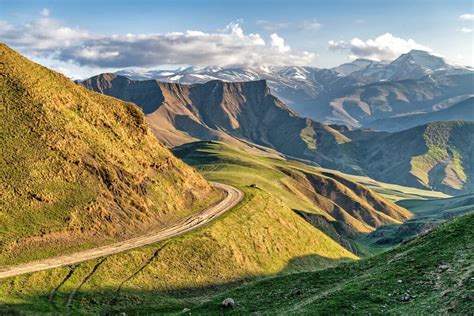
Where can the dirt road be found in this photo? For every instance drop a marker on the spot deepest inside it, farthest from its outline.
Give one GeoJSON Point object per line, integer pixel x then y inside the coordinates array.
{"type": "Point", "coordinates": [233, 197]}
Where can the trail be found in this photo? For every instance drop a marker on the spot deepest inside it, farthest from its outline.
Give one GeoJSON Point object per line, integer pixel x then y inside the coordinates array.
{"type": "Point", "coordinates": [233, 197]}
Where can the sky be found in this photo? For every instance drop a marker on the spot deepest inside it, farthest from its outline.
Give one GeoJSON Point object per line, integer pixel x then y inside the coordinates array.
{"type": "Point", "coordinates": [83, 38]}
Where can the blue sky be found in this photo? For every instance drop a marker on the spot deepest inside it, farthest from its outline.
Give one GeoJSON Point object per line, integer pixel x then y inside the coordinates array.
{"type": "Point", "coordinates": [83, 37]}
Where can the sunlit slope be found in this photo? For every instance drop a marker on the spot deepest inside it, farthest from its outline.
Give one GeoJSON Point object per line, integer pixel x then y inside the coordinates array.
{"type": "Point", "coordinates": [78, 168]}
{"type": "Point", "coordinates": [303, 189]}
{"type": "Point", "coordinates": [261, 236]}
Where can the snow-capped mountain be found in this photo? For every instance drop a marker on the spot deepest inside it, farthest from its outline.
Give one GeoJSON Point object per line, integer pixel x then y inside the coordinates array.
{"type": "Point", "coordinates": [357, 65]}
{"type": "Point", "coordinates": [415, 64]}
{"type": "Point", "coordinates": [337, 95]}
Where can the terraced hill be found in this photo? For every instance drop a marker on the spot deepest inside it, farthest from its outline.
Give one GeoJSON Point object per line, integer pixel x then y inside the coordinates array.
{"type": "Point", "coordinates": [78, 168]}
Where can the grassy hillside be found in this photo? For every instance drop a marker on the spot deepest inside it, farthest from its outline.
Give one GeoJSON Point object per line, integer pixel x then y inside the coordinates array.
{"type": "Point", "coordinates": [322, 197]}
{"type": "Point", "coordinates": [432, 274]}
{"type": "Point", "coordinates": [428, 214]}
{"type": "Point", "coordinates": [436, 156]}
{"type": "Point", "coordinates": [78, 169]}
{"type": "Point", "coordinates": [260, 237]}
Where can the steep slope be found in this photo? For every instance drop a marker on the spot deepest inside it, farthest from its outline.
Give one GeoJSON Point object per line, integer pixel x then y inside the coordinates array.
{"type": "Point", "coordinates": [318, 196]}
{"type": "Point", "coordinates": [218, 110]}
{"type": "Point", "coordinates": [463, 110]}
{"type": "Point", "coordinates": [78, 169]}
{"type": "Point", "coordinates": [438, 155]}
{"type": "Point", "coordinates": [430, 274]}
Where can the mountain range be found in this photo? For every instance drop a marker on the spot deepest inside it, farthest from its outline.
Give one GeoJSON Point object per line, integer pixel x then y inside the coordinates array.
{"type": "Point", "coordinates": [247, 112]}
{"type": "Point", "coordinates": [84, 170]}
{"type": "Point", "coordinates": [354, 94]}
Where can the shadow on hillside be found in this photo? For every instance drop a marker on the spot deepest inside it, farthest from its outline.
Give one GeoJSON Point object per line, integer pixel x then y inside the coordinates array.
{"type": "Point", "coordinates": [111, 301]}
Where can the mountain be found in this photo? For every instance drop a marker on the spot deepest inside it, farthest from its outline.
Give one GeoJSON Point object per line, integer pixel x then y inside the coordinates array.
{"type": "Point", "coordinates": [79, 169]}
{"type": "Point", "coordinates": [299, 87]}
{"type": "Point", "coordinates": [217, 110]}
{"type": "Point", "coordinates": [463, 110]}
{"type": "Point", "coordinates": [360, 106]}
{"type": "Point", "coordinates": [413, 65]}
{"type": "Point", "coordinates": [353, 94]}
{"type": "Point", "coordinates": [357, 65]}
{"type": "Point", "coordinates": [437, 155]}
{"type": "Point", "coordinates": [243, 113]}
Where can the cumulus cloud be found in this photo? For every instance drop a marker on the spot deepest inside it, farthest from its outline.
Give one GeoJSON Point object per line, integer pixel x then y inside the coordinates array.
{"type": "Point", "coordinates": [384, 47]}
{"type": "Point", "coordinates": [467, 17]}
{"type": "Point", "coordinates": [41, 35]}
{"type": "Point", "coordinates": [465, 30]}
{"type": "Point", "coordinates": [231, 46]}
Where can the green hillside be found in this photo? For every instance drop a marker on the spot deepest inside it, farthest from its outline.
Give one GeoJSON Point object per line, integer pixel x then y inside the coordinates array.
{"type": "Point", "coordinates": [432, 274]}
{"type": "Point", "coordinates": [437, 156]}
{"type": "Point", "coordinates": [330, 201]}
{"type": "Point", "coordinates": [79, 169]}
{"type": "Point", "coordinates": [258, 238]}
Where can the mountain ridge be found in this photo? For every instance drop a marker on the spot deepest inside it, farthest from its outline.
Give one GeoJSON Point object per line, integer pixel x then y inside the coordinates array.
{"type": "Point", "coordinates": [312, 92]}
{"type": "Point", "coordinates": [240, 113]}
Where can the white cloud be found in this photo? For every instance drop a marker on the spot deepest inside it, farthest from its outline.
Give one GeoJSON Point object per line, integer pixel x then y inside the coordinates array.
{"type": "Point", "coordinates": [465, 30]}
{"type": "Point", "coordinates": [41, 35]}
{"type": "Point", "coordinates": [44, 12]}
{"type": "Point", "coordinates": [272, 26]}
{"type": "Point", "coordinates": [279, 43]}
{"type": "Point", "coordinates": [360, 21]}
{"type": "Point", "coordinates": [384, 47]}
{"type": "Point", "coordinates": [467, 17]}
{"type": "Point", "coordinates": [45, 37]}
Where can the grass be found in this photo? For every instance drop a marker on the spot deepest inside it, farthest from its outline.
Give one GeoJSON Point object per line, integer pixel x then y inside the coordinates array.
{"type": "Point", "coordinates": [79, 169]}
{"type": "Point", "coordinates": [299, 186]}
{"type": "Point", "coordinates": [432, 274]}
{"type": "Point", "coordinates": [258, 238]}
{"type": "Point", "coordinates": [428, 214]}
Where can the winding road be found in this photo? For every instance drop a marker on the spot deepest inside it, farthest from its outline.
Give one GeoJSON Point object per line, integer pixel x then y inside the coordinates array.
{"type": "Point", "coordinates": [233, 197]}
